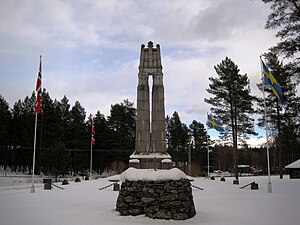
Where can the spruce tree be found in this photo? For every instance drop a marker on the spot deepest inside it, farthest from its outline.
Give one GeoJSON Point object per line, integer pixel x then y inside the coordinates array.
{"type": "Point", "coordinates": [64, 108]}
{"type": "Point", "coordinates": [200, 138]}
{"type": "Point", "coordinates": [5, 119]}
{"type": "Point", "coordinates": [23, 114]}
{"type": "Point", "coordinates": [200, 135]}
{"type": "Point", "coordinates": [5, 131]}
{"type": "Point", "coordinates": [122, 123]}
{"type": "Point", "coordinates": [102, 131]}
{"type": "Point", "coordinates": [103, 137]}
{"type": "Point", "coordinates": [78, 139]}
{"type": "Point", "coordinates": [177, 133]}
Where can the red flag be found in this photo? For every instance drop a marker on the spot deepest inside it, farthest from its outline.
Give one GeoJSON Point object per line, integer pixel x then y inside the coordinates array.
{"type": "Point", "coordinates": [93, 132]}
{"type": "Point", "coordinates": [38, 89]}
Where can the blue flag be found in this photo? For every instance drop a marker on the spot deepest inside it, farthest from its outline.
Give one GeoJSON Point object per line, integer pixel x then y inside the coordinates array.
{"type": "Point", "coordinates": [269, 79]}
{"type": "Point", "coordinates": [214, 123]}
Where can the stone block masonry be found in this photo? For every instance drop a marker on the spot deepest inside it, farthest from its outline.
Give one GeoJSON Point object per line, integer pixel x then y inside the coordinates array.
{"type": "Point", "coordinates": [150, 118]}
{"type": "Point", "coordinates": [166, 199]}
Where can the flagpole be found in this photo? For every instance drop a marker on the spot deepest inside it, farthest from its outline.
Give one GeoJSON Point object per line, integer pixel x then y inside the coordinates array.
{"type": "Point", "coordinates": [267, 134]}
{"type": "Point", "coordinates": [207, 146]}
{"type": "Point", "coordinates": [92, 142]}
{"type": "Point", "coordinates": [218, 125]}
{"type": "Point", "coordinates": [267, 139]}
{"type": "Point", "coordinates": [34, 147]}
{"type": "Point", "coordinates": [207, 156]}
{"type": "Point", "coordinates": [91, 161]}
{"type": "Point", "coordinates": [37, 110]}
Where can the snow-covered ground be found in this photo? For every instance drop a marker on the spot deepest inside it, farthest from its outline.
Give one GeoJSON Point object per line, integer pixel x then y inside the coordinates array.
{"type": "Point", "coordinates": [220, 203]}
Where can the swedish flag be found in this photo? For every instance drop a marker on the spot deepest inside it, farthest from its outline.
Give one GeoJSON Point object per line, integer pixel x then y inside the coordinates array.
{"type": "Point", "coordinates": [214, 123]}
{"type": "Point", "coordinates": [270, 80]}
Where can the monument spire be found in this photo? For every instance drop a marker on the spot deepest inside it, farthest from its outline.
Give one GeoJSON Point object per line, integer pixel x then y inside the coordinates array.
{"type": "Point", "coordinates": [150, 145]}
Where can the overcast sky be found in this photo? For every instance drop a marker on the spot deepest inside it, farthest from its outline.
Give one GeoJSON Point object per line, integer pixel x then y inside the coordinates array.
{"type": "Point", "coordinates": [91, 49]}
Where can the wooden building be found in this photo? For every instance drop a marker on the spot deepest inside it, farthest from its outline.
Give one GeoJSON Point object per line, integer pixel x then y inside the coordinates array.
{"type": "Point", "coordinates": [294, 169]}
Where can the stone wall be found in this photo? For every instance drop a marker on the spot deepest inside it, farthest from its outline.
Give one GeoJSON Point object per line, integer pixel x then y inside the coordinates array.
{"type": "Point", "coordinates": [170, 199]}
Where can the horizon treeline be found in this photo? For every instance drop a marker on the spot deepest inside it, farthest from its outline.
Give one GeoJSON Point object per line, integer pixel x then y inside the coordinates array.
{"type": "Point", "coordinates": [63, 135]}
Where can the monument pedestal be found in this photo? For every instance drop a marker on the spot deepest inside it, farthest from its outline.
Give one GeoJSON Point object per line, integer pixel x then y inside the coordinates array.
{"type": "Point", "coordinates": [151, 161]}
{"type": "Point", "coordinates": [162, 194]}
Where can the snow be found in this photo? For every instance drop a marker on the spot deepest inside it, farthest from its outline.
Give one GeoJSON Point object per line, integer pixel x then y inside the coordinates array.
{"type": "Point", "coordinates": [166, 161]}
{"type": "Point", "coordinates": [220, 203]}
{"type": "Point", "coordinates": [150, 156]}
{"type": "Point", "coordinates": [134, 161]}
{"type": "Point", "coordinates": [133, 174]}
{"type": "Point", "coordinates": [294, 165]}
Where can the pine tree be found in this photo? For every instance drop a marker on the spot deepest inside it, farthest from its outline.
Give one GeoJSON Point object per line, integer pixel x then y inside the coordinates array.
{"type": "Point", "coordinates": [232, 102]}
{"type": "Point", "coordinates": [285, 16]}
{"type": "Point", "coordinates": [283, 120]}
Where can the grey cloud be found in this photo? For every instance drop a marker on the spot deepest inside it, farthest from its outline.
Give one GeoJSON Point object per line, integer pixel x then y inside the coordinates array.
{"type": "Point", "coordinates": [225, 19]}
{"type": "Point", "coordinates": [92, 47]}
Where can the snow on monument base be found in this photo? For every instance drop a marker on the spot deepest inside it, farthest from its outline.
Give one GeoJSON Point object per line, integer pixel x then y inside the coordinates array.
{"type": "Point", "coordinates": [162, 194]}
{"type": "Point", "coordinates": [151, 161]}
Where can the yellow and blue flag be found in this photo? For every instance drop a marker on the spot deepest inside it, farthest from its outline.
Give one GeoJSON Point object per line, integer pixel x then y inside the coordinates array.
{"type": "Point", "coordinates": [270, 80]}
{"type": "Point", "coordinates": [214, 123]}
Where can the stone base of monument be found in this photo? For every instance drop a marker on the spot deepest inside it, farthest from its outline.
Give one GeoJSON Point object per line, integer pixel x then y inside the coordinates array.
{"type": "Point", "coordinates": [151, 161]}
{"type": "Point", "coordinates": [162, 194]}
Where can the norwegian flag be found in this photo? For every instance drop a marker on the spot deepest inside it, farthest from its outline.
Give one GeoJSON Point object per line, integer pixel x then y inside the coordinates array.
{"type": "Point", "coordinates": [93, 132]}
{"type": "Point", "coordinates": [39, 89]}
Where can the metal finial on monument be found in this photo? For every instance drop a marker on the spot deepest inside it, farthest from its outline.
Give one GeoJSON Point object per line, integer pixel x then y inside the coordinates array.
{"type": "Point", "coordinates": [150, 44]}
{"type": "Point", "coordinates": [157, 46]}
{"type": "Point", "coordinates": [142, 46]}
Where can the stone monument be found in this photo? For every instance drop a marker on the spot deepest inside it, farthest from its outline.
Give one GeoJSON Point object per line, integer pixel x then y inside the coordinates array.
{"type": "Point", "coordinates": [159, 194]}
{"type": "Point", "coordinates": [150, 145]}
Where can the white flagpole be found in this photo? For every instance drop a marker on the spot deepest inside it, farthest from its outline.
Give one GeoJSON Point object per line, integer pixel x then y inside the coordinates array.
{"type": "Point", "coordinates": [207, 156]}
{"type": "Point", "coordinates": [267, 134]}
{"type": "Point", "coordinates": [207, 149]}
{"type": "Point", "coordinates": [91, 160]}
{"type": "Point", "coordinates": [35, 126]}
{"type": "Point", "coordinates": [34, 147]}
{"type": "Point", "coordinates": [267, 139]}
